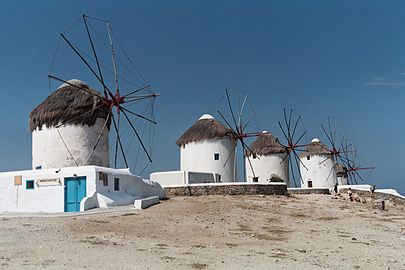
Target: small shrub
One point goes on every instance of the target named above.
(276, 179)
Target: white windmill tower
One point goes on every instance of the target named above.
(72, 126)
(67, 126)
(345, 155)
(267, 157)
(208, 146)
(317, 166)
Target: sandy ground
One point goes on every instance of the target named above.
(213, 232)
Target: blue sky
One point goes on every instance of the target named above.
(343, 59)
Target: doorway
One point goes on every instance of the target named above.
(75, 191)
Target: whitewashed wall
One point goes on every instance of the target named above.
(342, 180)
(42, 198)
(131, 187)
(49, 151)
(322, 173)
(266, 166)
(181, 178)
(170, 178)
(52, 198)
(199, 157)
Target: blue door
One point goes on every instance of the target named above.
(75, 191)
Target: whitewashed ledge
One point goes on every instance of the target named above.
(146, 202)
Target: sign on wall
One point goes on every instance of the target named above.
(18, 180)
(49, 182)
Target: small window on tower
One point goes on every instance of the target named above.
(308, 157)
(216, 156)
(116, 184)
(29, 184)
(105, 180)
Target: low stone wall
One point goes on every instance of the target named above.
(227, 189)
(376, 195)
(308, 191)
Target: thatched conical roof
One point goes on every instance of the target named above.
(316, 147)
(265, 144)
(69, 103)
(205, 128)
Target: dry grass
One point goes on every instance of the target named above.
(128, 214)
(278, 253)
(298, 215)
(327, 218)
(168, 258)
(244, 228)
(199, 265)
(251, 207)
(198, 246)
(273, 233)
(271, 237)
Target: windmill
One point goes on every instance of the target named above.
(291, 127)
(345, 156)
(238, 127)
(125, 94)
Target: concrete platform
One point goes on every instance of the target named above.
(227, 189)
(308, 190)
(146, 202)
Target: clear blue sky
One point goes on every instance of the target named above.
(344, 59)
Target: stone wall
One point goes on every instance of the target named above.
(308, 191)
(227, 189)
(376, 196)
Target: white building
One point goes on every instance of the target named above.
(65, 128)
(268, 159)
(72, 189)
(341, 174)
(208, 146)
(207, 155)
(320, 169)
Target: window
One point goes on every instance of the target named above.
(38, 167)
(29, 184)
(105, 180)
(308, 157)
(216, 156)
(116, 184)
(309, 184)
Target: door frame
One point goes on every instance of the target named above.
(65, 189)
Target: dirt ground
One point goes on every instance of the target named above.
(212, 232)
